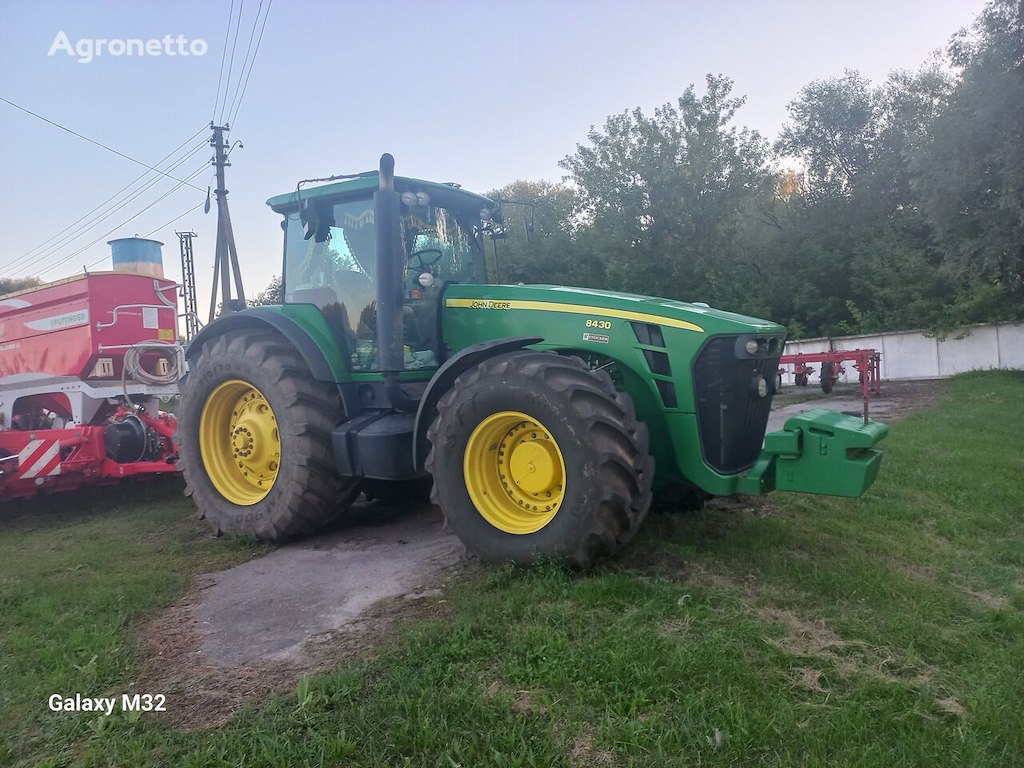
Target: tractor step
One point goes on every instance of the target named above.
(376, 445)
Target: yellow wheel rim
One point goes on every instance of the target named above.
(514, 472)
(239, 442)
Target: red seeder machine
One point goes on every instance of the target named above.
(84, 365)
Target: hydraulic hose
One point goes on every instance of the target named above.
(133, 364)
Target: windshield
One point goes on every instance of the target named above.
(332, 269)
(335, 268)
(444, 242)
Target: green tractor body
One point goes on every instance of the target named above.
(543, 416)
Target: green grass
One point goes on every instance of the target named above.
(78, 573)
(882, 631)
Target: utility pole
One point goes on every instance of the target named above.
(225, 263)
(188, 284)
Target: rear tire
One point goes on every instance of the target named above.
(290, 418)
(536, 455)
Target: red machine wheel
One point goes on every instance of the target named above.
(827, 379)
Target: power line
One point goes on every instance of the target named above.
(120, 205)
(167, 224)
(14, 264)
(223, 56)
(231, 61)
(91, 141)
(245, 59)
(126, 221)
(251, 63)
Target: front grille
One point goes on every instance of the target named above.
(731, 417)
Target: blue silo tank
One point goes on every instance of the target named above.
(137, 255)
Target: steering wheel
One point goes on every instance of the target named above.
(423, 263)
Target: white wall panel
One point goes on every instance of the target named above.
(912, 355)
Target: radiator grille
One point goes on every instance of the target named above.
(731, 417)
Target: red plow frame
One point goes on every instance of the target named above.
(867, 362)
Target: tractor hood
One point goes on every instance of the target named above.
(668, 308)
(606, 304)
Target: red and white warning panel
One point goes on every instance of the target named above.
(40, 458)
(85, 364)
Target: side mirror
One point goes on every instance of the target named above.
(317, 220)
(309, 216)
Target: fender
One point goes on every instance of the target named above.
(265, 317)
(445, 377)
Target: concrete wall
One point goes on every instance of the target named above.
(912, 355)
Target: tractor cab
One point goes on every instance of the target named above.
(331, 244)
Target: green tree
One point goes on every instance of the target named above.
(661, 198)
(971, 174)
(15, 284)
(272, 294)
(868, 252)
(832, 131)
(541, 233)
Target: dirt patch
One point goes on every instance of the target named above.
(583, 753)
(758, 506)
(524, 704)
(267, 608)
(951, 706)
(810, 679)
(652, 563)
(745, 585)
(253, 630)
(816, 640)
(988, 599)
(201, 694)
(803, 638)
(675, 627)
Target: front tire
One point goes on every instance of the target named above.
(536, 455)
(255, 434)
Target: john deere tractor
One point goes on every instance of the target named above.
(542, 416)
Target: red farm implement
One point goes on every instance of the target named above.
(867, 363)
(84, 365)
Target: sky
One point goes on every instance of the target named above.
(480, 93)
